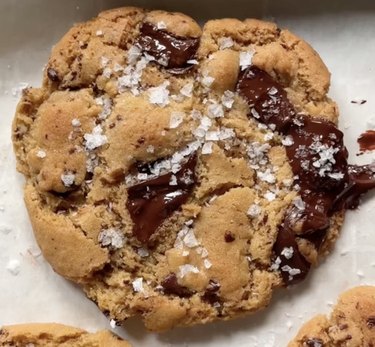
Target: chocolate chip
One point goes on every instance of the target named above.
(366, 141)
(211, 293)
(172, 287)
(52, 75)
(169, 50)
(151, 202)
(229, 237)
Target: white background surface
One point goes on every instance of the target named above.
(343, 32)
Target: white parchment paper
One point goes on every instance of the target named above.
(343, 32)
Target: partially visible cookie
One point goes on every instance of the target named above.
(56, 335)
(351, 324)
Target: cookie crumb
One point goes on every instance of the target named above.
(13, 267)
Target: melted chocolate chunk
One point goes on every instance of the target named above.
(361, 180)
(169, 50)
(52, 75)
(211, 294)
(366, 141)
(151, 202)
(172, 287)
(294, 267)
(229, 237)
(267, 97)
(318, 159)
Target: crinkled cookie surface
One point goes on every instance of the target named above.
(179, 173)
(56, 335)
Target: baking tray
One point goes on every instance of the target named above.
(343, 32)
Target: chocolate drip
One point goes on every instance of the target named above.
(169, 50)
(366, 141)
(171, 286)
(151, 202)
(211, 294)
(361, 180)
(318, 159)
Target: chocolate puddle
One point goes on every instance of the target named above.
(366, 141)
(318, 159)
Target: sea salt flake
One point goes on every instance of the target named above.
(266, 176)
(104, 61)
(173, 181)
(245, 59)
(299, 203)
(216, 110)
(99, 33)
(207, 148)
(106, 106)
(68, 179)
(287, 252)
(254, 210)
(95, 139)
(192, 61)
(111, 237)
(207, 263)
(76, 122)
(161, 25)
(225, 42)
(143, 252)
(113, 323)
(41, 154)
(270, 196)
(138, 285)
(150, 149)
(268, 136)
(190, 240)
(13, 267)
(187, 268)
(207, 81)
(287, 140)
(276, 264)
(227, 99)
(185, 253)
(176, 119)
(159, 95)
(187, 90)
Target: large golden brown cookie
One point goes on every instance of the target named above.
(351, 324)
(179, 173)
(56, 335)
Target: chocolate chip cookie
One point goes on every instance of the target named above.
(56, 335)
(183, 174)
(351, 324)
